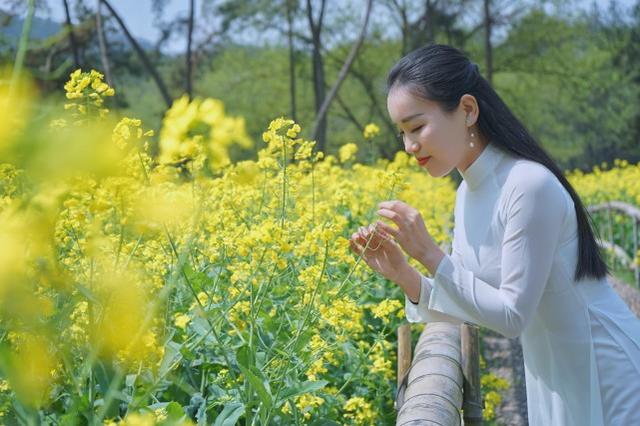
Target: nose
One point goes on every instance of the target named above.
(411, 147)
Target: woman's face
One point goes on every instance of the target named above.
(427, 131)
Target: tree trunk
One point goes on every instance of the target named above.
(72, 38)
(349, 114)
(404, 25)
(387, 150)
(318, 74)
(143, 57)
(189, 59)
(292, 60)
(104, 58)
(324, 108)
(488, 48)
(429, 22)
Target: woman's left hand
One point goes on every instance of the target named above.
(411, 233)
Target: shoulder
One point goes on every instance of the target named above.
(531, 183)
(526, 176)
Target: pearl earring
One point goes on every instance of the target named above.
(471, 144)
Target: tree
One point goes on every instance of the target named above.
(321, 114)
(143, 57)
(189, 59)
(72, 38)
(559, 77)
(104, 57)
(315, 26)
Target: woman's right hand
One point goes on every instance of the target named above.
(383, 254)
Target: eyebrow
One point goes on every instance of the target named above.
(404, 120)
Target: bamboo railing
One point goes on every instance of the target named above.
(618, 251)
(441, 385)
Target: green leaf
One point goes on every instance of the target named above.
(302, 388)
(254, 376)
(175, 412)
(230, 414)
(104, 374)
(171, 354)
(259, 384)
(87, 293)
(243, 356)
(130, 380)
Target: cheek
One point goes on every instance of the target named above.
(446, 133)
(434, 134)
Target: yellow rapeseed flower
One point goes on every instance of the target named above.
(371, 130)
(347, 151)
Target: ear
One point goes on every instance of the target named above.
(469, 106)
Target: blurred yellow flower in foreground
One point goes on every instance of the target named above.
(199, 130)
(14, 109)
(31, 369)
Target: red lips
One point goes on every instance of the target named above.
(422, 161)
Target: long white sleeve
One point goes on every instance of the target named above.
(534, 214)
(419, 312)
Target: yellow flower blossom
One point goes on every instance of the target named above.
(181, 320)
(347, 151)
(359, 410)
(371, 130)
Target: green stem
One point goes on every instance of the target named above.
(294, 342)
(365, 356)
(313, 194)
(206, 317)
(284, 180)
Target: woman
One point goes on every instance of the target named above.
(524, 260)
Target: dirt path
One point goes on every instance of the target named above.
(504, 359)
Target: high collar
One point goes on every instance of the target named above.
(482, 166)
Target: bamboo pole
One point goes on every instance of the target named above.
(431, 391)
(635, 250)
(634, 213)
(627, 208)
(404, 351)
(472, 403)
(610, 223)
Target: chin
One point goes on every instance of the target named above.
(438, 173)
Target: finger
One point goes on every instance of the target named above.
(395, 205)
(389, 204)
(392, 215)
(356, 238)
(359, 250)
(380, 240)
(355, 247)
(367, 232)
(387, 229)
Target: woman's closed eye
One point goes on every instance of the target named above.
(401, 133)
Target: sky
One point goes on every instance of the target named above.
(140, 20)
(136, 14)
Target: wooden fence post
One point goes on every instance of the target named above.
(404, 351)
(472, 403)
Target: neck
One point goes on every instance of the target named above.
(472, 154)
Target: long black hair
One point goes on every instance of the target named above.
(442, 74)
